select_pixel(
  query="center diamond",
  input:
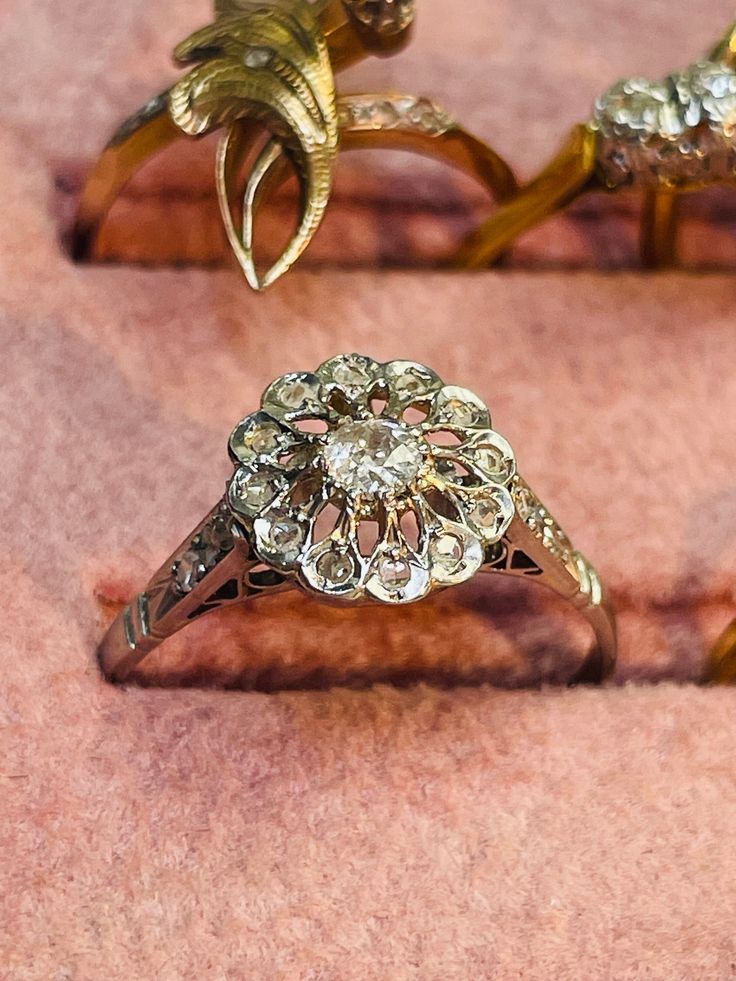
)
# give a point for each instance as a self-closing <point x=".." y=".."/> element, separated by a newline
<point x="377" y="457"/>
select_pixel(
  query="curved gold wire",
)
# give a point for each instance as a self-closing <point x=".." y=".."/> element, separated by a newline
<point x="274" y="66"/>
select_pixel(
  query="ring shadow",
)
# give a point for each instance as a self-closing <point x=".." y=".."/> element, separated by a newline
<point x="504" y="633"/>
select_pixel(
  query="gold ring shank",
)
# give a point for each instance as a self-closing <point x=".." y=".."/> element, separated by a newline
<point x="427" y="131"/>
<point x="454" y="146"/>
<point x="151" y="130"/>
<point x="721" y="666"/>
<point x="235" y="575"/>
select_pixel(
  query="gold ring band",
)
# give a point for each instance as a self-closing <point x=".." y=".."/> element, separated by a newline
<point x="271" y="66"/>
<point x="260" y="63"/>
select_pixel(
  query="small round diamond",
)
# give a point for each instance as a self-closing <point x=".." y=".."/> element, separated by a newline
<point x="394" y="572"/>
<point x="280" y="536"/>
<point x="258" y="439"/>
<point x="410" y="385"/>
<point x="459" y="412"/>
<point x="352" y="372"/>
<point x="383" y="16"/>
<point x="188" y="570"/>
<point x="410" y="381"/>
<point x="286" y="534"/>
<point x="335" y="567"/>
<point x="455" y="555"/>
<point x="296" y="392"/>
<point x="446" y="551"/>
<point x="485" y="514"/>
<point x="459" y="407"/>
<point x="490" y="457"/>
<point x="252" y="490"/>
<point x="257" y="57"/>
<point x="215" y="539"/>
<point x="491" y="514"/>
<point x="264" y="438"/>
<point x="373" y="457"/>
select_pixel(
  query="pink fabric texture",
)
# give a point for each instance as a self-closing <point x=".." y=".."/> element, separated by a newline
<point x="435" y="830"/>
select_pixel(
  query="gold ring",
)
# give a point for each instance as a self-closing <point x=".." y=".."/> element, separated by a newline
<point x="260" y="63"/>
<point x="367" y="121"/>
<point x="721" y="666"/>
<point x="662" y="138"/>
<point x="270" y="63"/>
<point x="363" y="482"/>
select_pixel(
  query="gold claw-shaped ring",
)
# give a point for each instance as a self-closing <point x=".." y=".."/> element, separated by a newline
<point x="260" y="63"/>
<point x="394" y="121"/>
<point x="270" y="64"/>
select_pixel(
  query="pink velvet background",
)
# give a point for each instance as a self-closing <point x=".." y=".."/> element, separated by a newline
<point x="439" y="830"/>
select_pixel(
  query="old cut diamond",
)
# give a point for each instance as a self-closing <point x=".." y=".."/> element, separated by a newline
<point x="297" y="392"/>
<point x="457" y="406"/>
<point x="394" y="571"/>
<point x="252" y="490"/>
<point x="188" y="570"/>
<point x="446" y="550"/>
<point x="257" y="439"/>
<point x="334" y="566"/>
<point x="410" y="380"/>
<point x="377" y="457"/>
<point x="265" y="438"/>
<point x="257" y="57"/>
<point x="280" y="536"/>
<point x="351" y="371"/>
<point x="384" y="16"/>
<point x="491" y="513"/>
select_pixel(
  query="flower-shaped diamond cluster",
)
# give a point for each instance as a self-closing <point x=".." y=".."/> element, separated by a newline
<point x="371" y="480"/>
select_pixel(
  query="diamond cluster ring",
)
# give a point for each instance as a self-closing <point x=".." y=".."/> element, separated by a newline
<point x="368" y="482"/>
<point x="662" y="137"/>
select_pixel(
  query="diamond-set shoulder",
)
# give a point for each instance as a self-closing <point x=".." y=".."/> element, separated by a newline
<point x="370" y="480"/>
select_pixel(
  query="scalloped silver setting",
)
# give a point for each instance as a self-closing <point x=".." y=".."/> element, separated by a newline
<point x="375" y="481"/>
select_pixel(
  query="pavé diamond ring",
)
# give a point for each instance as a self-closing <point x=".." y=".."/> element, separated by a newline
<point x="362" y="482"/>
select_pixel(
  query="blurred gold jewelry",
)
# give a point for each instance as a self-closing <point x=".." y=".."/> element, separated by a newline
<point x="267" y="62"/>
<point x="721" y="667"/>
<point x="661" y="138"/>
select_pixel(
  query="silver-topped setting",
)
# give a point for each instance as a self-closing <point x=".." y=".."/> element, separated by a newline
<point x="671" y="133"/>
<point x="416" y="481"/>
